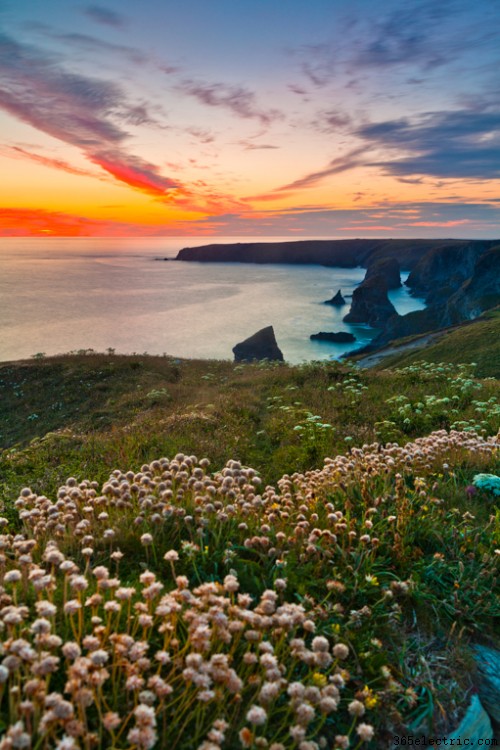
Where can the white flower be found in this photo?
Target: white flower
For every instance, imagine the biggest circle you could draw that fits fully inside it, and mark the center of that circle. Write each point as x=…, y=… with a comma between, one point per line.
x=365, y=732
x=256, y=715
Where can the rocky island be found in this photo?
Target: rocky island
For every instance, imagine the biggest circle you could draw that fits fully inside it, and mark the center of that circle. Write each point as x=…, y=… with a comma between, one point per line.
x=261, y=345
x=337, y=300
x=342, y=337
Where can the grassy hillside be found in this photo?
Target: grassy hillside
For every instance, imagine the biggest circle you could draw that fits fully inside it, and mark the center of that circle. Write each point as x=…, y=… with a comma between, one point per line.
x=181, y=567
x=477, y=341
x=84, y=414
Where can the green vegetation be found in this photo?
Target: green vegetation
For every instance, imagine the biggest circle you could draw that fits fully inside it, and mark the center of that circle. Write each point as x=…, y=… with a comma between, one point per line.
x=477, y=341
x=194, y=602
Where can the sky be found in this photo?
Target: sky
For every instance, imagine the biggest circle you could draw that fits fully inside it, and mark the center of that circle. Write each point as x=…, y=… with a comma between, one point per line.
x=253, y=118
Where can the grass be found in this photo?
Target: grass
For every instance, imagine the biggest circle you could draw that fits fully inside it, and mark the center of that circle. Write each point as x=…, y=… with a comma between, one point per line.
x=363, y=582
x=81, y=415
x=477, y=341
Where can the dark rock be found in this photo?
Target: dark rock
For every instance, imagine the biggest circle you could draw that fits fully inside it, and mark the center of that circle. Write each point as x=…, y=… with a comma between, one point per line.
x=479, y=292
x=446, y=266
x=370, y=303
x=400, y=326
x=342, y=337
x=262, y=345
x=388, y=268
x=336, y=300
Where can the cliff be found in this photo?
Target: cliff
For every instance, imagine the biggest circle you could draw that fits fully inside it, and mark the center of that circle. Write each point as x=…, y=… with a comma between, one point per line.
x=445, y=268
x=456, y=292
x=339, y=253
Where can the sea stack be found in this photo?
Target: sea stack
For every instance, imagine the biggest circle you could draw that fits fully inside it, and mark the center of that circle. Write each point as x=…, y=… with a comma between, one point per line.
x=336, y=300
x=262, y=345
x=370, y=303
x=388, y=268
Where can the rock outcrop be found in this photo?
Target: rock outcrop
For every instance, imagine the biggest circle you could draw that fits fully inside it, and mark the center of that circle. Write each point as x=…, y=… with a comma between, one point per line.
x=262, y=345
x=445, y=268
x=370, y=303
x=388, y=268
x=342, y=337
x=479, y=292
x=336, y=300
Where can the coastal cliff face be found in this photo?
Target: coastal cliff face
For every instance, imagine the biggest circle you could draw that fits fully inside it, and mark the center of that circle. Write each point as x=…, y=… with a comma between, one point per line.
x=370, y=303
x=446, y=267
x=478, y=293
x=450, y=305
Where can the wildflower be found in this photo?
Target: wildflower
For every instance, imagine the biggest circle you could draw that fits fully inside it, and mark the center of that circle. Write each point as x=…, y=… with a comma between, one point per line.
x=18, y=737
x=72, y=606
x=340, y=651
x=99, y=657
x=365, y=732
x=342, y=741
x=246, y=737
x=71, y=650
x=231, y=584
x=171, y=556
x=320, y=643
x=319, y=679
x=256, y=715
x=356, y=708
x=66, y=743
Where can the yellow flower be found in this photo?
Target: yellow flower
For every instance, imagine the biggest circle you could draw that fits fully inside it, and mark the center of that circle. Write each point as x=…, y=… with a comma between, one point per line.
x=372, y=579
x=336, y=627
x=371, y=701
x=319, y=679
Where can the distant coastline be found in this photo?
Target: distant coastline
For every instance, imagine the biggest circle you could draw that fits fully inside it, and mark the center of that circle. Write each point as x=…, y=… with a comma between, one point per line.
x=332, y=253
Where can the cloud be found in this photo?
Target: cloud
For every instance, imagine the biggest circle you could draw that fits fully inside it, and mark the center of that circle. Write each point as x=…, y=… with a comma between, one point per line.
x=249, y=146
x=419, y=38
x=105, y=16
x=16, y=152
x=399, y=220
x=454, y=144
x=336, y=166
x=332, y=121
x=237, y=99
x=202, y=135
x=133, y=171
x=92, y=44
x=75, y=109
x=408, y=35
x=27, y=222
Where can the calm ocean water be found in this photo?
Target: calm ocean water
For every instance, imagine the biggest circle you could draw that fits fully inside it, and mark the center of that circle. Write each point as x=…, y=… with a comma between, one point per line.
x=59, y=295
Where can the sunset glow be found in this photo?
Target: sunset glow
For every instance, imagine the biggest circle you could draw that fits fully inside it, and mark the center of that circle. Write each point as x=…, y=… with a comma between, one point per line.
x=250, y=118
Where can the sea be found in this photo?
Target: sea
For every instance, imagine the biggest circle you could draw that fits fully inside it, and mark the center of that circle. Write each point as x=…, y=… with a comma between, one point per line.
x=59, y=295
